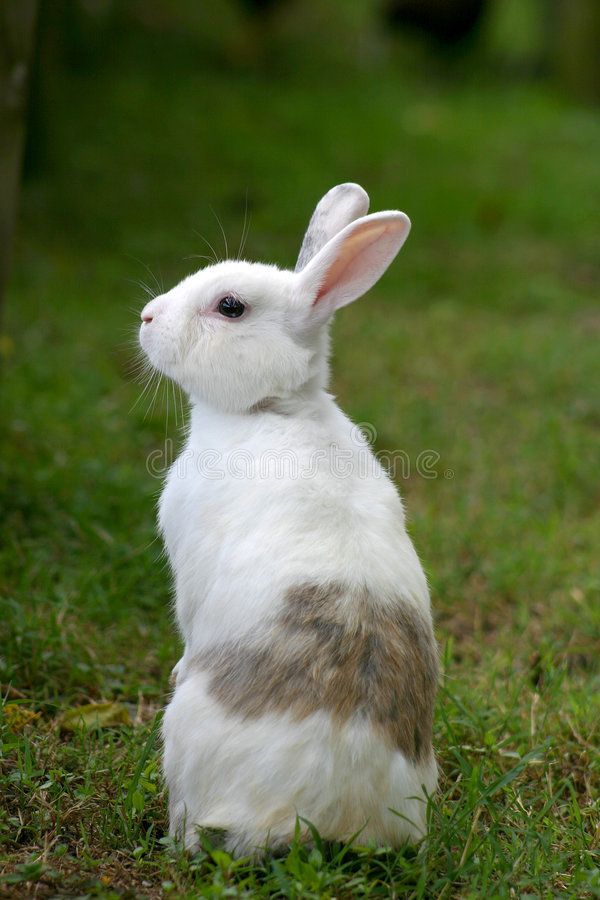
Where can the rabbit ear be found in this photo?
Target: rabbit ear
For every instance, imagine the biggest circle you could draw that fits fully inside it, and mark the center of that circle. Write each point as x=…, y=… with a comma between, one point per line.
x=352, y=261
x=340, y=206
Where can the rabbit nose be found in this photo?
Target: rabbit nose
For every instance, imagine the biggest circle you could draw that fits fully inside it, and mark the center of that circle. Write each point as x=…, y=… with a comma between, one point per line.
x=149, y=312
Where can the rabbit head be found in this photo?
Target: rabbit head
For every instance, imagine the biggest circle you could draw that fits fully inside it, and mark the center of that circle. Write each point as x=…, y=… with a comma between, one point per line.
x=236, y=333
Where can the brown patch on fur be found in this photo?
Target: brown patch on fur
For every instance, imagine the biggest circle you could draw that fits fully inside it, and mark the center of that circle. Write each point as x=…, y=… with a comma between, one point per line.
x=350, y=657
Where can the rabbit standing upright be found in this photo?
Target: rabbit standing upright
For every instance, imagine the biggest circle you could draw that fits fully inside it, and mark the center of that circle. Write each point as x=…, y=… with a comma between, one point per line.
x=308, y=679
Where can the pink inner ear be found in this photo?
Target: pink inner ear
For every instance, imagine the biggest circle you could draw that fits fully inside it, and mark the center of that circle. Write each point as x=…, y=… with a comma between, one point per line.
x=350, y=256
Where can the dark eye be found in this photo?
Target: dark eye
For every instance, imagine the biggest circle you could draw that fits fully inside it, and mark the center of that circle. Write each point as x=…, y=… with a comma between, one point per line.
x=231, y=307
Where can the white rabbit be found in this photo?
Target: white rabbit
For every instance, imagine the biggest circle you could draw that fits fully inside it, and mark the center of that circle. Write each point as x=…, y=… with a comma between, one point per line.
x=310, y=668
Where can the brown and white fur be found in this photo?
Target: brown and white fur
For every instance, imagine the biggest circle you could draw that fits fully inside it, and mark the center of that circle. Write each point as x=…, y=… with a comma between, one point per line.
x=310, y=668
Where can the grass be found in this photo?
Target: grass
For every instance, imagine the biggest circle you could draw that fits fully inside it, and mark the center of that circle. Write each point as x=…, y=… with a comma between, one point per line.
x=480, y=344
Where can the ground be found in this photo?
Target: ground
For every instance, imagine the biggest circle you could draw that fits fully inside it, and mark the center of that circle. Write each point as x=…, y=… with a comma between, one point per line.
x=479, y=345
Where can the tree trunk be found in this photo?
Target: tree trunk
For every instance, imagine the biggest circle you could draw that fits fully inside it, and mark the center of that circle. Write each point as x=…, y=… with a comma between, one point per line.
x=17, y=23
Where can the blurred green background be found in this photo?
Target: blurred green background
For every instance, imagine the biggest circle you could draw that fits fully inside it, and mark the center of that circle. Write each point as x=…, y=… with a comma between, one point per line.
x=480, y=120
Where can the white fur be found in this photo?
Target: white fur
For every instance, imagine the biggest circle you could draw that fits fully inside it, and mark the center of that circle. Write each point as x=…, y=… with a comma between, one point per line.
x=237, y=544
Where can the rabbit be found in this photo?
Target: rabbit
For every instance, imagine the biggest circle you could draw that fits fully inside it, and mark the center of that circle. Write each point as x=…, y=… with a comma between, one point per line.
x=306, y=688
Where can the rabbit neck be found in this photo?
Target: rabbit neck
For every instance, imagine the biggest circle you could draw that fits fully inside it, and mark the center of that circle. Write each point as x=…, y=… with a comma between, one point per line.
x=307, y=400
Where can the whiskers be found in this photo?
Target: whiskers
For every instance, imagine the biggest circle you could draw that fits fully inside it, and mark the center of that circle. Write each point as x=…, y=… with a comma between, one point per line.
x=158, y=393
x=214, y=257
x=155, y=287
x=245, y=228
x=150, y=294
x=223, y=235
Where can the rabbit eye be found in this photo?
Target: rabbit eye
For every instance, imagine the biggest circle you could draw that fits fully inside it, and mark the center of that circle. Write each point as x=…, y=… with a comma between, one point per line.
x=231, y=307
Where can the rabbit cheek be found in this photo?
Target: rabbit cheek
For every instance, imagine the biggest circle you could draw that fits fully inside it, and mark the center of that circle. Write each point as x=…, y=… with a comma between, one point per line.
x=341, y=651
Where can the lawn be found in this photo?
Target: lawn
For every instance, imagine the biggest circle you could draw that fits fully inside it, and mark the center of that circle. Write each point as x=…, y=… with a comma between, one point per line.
x=480, y=345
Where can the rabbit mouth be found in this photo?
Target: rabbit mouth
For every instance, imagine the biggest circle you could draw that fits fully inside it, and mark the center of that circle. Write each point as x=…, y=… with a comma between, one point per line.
x=154, y=352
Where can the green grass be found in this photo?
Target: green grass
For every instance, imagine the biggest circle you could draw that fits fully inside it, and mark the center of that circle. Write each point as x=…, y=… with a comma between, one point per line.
x=481, y=344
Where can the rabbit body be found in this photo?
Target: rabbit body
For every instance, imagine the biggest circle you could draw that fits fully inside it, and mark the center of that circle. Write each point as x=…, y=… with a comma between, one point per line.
x=309, y=671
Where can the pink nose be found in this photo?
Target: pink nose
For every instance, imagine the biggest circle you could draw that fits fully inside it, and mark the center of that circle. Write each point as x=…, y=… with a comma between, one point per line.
x=149, y=312
x=154, y=307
